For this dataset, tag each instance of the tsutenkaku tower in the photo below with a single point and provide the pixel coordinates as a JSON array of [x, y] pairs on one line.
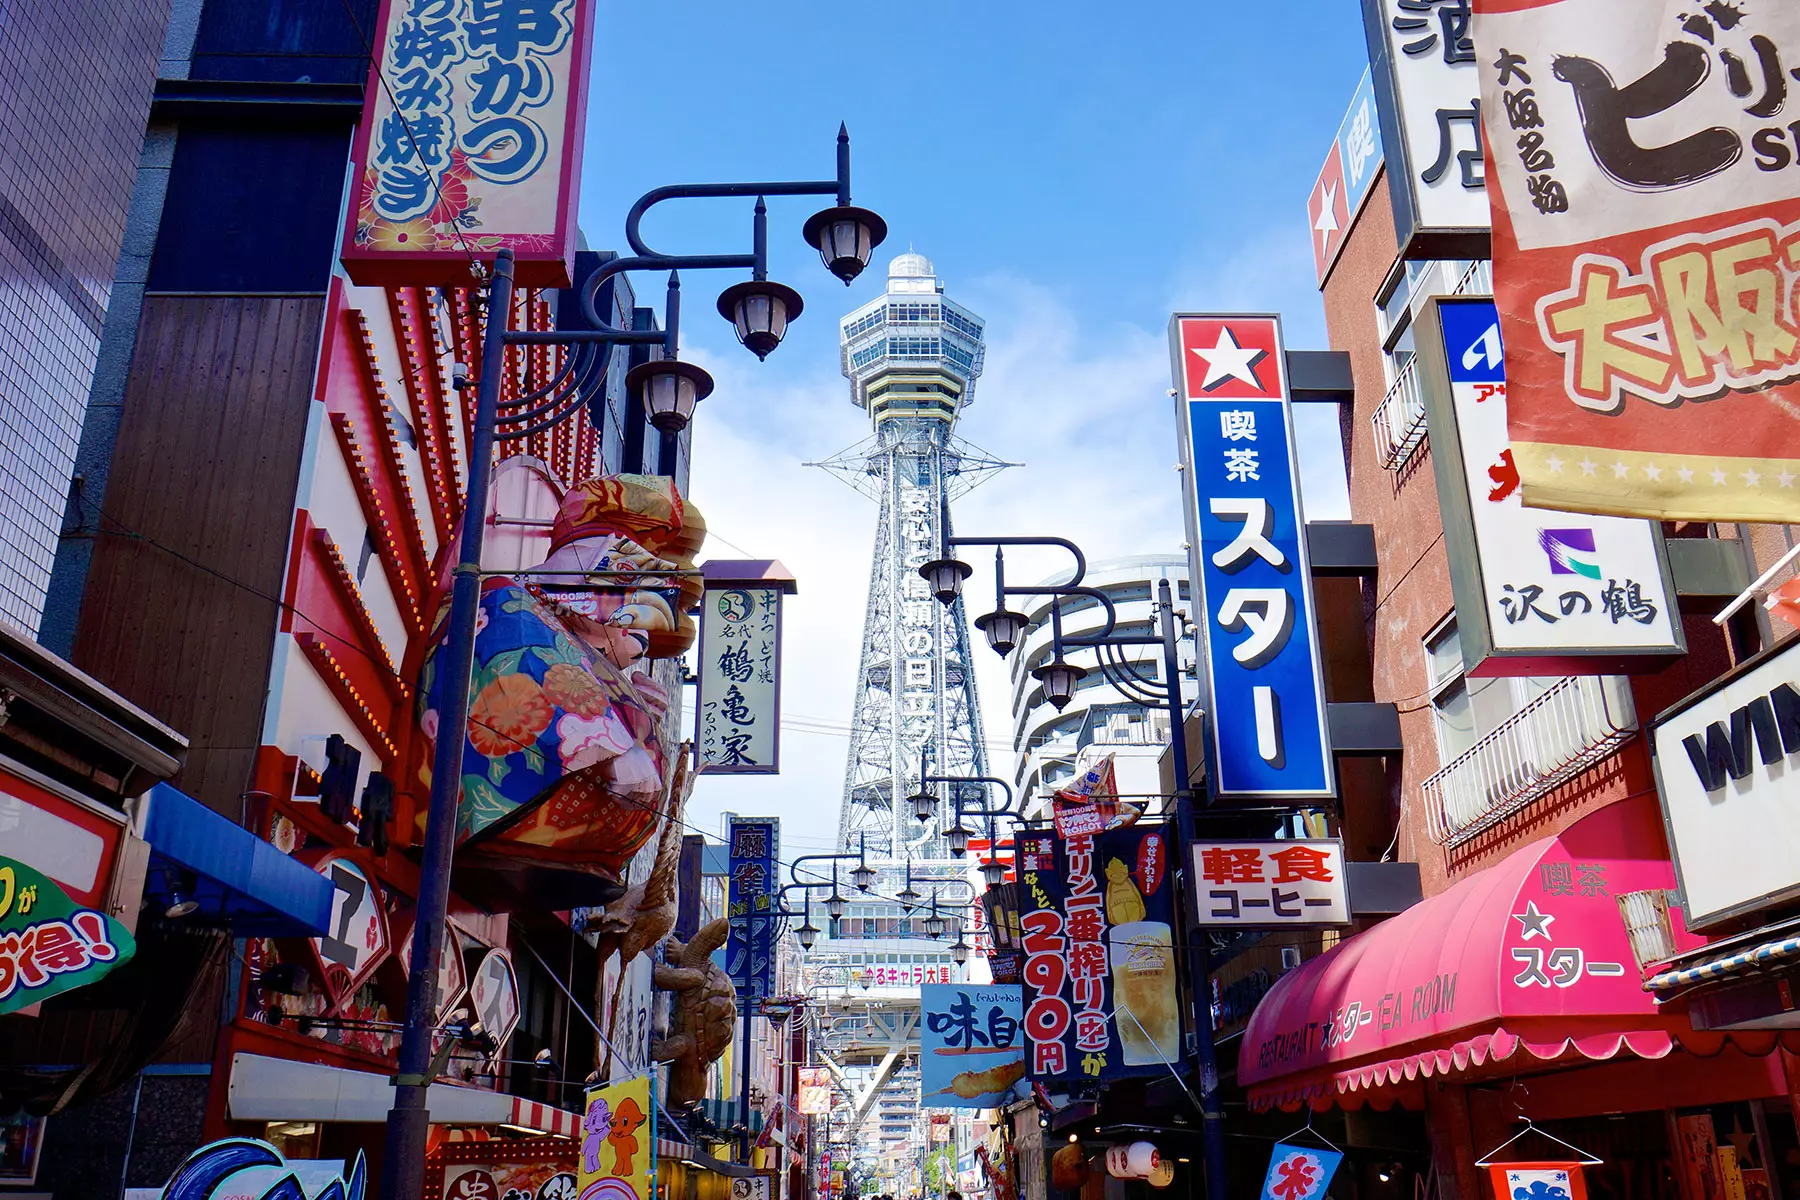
[[912, 357]]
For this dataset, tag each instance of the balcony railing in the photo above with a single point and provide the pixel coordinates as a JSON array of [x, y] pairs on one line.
[[1573, 725], [1477, 280], [1399, 420]]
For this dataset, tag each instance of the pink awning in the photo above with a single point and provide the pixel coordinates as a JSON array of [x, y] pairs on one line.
[[1525, 960]]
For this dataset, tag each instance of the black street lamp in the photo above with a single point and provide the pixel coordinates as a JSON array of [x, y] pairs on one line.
[[670, 394], [1060, 679]]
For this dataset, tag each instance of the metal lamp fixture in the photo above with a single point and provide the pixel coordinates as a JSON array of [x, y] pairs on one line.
[[808, 933], [959, 949], [946, 575], [924, 804], [845, 236], [958, 836], [863, 877], [934, 924], [760, 309], [834, 904], [1004, 629], [993, 872], [668, 389], [1060, 679]]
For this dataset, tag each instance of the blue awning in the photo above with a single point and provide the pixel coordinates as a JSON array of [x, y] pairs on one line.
[[229, 871]]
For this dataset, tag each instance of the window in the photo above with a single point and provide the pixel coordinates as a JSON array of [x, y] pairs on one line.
[[1469, 709]]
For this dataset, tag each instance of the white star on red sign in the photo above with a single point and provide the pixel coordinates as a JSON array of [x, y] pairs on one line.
[[1228, 360], [1326, 224]]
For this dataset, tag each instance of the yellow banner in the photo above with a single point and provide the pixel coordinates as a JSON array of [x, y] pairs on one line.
[[618, 1142]]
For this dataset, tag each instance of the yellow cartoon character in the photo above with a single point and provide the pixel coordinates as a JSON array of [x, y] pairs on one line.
[[1123, 903]]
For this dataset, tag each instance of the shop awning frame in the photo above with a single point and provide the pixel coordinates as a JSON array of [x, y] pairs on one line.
[[228, 870], [265, 1088], [1744, 962]]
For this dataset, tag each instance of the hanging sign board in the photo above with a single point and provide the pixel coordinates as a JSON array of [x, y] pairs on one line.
[[739, 702], [755, 849], [359, 940], [1646, 207], [1278, 884], [815, 1091], [1304, 1172], [618, 1142], [971, 1045], [1537, 592], [1538, 1181], [1345, 180], [49, 944], [1246, 533], [1422, 60], [470, 141]]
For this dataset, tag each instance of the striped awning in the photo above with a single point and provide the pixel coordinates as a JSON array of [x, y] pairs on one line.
[[1741, 963]]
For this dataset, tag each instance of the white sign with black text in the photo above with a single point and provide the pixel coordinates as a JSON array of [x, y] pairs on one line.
[[1436, 90], [1728, 771], [739, 705], [1279, 884]]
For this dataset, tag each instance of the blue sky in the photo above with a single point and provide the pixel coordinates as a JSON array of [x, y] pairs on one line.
[[1075, 172]]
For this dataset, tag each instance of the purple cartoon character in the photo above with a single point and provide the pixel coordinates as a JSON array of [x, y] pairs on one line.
[[595, 1125]]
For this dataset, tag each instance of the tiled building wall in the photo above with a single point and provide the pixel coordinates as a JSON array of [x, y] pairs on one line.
[[75, 86]]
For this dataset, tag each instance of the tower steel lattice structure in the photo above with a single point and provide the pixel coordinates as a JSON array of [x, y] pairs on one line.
[[912, 357]]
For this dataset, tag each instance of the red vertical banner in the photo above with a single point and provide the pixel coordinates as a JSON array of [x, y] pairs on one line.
[[1644, 172]]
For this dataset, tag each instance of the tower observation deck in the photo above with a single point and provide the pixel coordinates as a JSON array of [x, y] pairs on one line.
[[912, 357]]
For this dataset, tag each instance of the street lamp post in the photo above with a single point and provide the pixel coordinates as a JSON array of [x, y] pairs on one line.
[[759, 311], [1059, 678]]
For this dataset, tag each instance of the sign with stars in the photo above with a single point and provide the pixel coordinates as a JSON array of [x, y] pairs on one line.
[[1344, 181], [1537, 592], [1247, 549], [1646, 209]]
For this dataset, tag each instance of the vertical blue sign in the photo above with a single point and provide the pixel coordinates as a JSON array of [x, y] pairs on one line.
[[755, 863], [1247, 539]]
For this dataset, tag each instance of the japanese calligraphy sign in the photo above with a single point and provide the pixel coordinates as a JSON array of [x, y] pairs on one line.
[[1303, 1172], [1725, 763], [1246, 533], [1422, 60], [48, 943], [1097, 914], [755, 858], [618, 1142], [1537, 592], [1344, 181], [971, 1046], [1280, 884], [470, 141], [1646, 232], [739, 705]]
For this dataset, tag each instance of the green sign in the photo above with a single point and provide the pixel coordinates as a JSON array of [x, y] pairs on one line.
[[49, 943]]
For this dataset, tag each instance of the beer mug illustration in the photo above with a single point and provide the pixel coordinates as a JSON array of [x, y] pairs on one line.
[[1144, 992]]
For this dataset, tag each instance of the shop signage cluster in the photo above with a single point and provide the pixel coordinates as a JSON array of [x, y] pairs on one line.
[[1725, 759], [738, 709], [1345, 180], [1537, 592], [471, 141], [1098, 971], [1270, 884], [1246, 533], [1422, 58], [49, 944], [971, 1044], [1645, 217], [755, 859]]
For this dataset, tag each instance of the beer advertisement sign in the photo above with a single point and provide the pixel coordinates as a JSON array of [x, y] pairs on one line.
[[1101, 988], [1646, 195]]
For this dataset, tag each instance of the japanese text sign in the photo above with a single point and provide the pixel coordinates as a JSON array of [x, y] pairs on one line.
[[971, 1045], [1100, 986], [48, 943], [1422, 59], [739, 704], [618, 1142], [1537, 592], [1344, 181], [359, 940], [470, 141], [1646, 234], [755, 859], [1301, 1172], [1247, 539], [1270, 884]]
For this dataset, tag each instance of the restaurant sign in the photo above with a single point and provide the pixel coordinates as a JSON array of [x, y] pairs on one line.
[[1725, 761], [1097, 920], [739, 704], [49, 944], [971, 1047], [470, 141], [755, 860], [1270, 884]]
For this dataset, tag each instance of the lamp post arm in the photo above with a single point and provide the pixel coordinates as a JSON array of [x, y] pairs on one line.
[[962, 810], [701, 191], [794, 867], [1060, 543]]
